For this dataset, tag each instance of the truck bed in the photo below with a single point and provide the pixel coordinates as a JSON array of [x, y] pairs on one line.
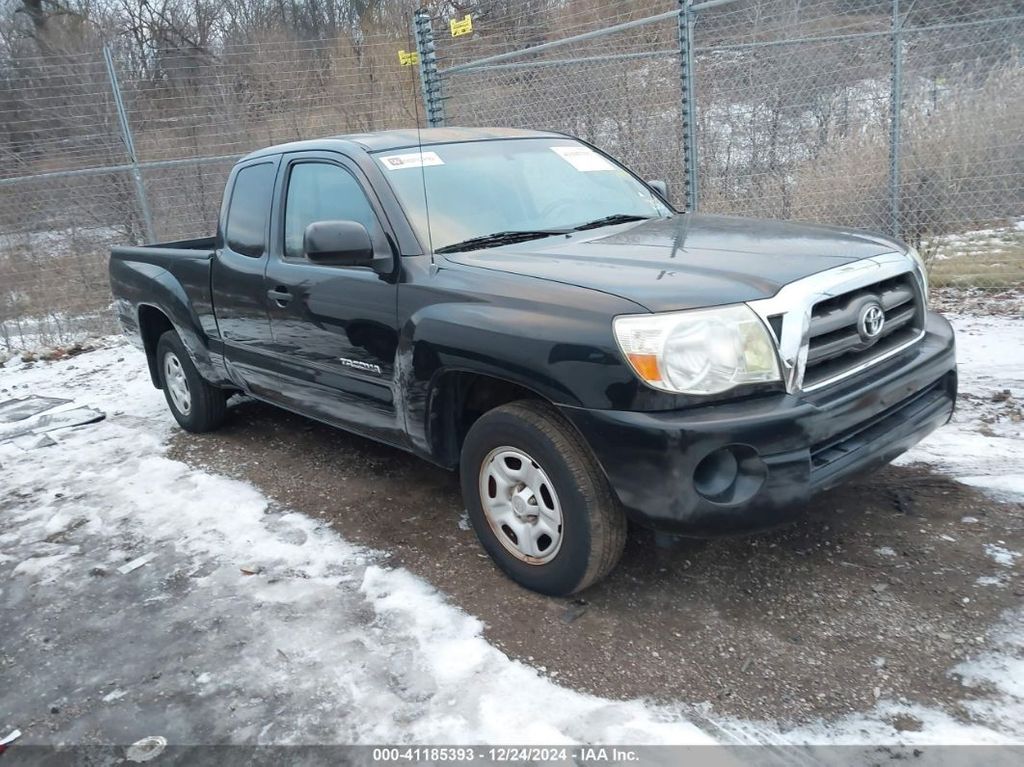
[[160, 252], [173, 277]]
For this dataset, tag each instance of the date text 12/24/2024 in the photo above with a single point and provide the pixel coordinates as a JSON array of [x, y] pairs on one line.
[[549, 754]]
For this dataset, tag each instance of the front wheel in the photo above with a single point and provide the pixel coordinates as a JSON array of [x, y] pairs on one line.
[[196, 404], [538, 501]]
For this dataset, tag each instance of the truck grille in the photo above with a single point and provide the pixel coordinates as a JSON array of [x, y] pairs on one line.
[[848, 331]]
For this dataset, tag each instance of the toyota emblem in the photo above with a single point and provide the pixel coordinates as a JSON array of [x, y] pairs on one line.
[[871, 321]]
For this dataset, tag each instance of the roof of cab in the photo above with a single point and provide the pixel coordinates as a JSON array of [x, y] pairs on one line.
[[401, 139]]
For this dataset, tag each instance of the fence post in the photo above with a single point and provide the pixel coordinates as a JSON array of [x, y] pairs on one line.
[[895, 113], [430, 80], [129, 145], [689, 104]]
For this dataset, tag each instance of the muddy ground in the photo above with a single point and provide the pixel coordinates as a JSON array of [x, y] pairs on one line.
[[875, 593]]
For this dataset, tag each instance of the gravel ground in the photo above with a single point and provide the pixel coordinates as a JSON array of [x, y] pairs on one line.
[[979, 301], [884, 586]]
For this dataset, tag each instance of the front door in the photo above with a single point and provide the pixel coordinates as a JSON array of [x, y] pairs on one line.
[[334, 327]]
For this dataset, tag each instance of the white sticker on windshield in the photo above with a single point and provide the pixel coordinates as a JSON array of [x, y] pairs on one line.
[[411, 160], [582, 158]]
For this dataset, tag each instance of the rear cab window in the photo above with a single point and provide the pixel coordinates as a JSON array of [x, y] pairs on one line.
[[248, 214]]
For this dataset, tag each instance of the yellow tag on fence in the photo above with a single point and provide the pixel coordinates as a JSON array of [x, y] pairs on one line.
[[463, 27], [407, 59]]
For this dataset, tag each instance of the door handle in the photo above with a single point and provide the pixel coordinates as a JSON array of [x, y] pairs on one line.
[[279, 295]]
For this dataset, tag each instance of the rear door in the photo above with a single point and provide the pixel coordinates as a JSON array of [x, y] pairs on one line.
[[334, 327], [238, 272]]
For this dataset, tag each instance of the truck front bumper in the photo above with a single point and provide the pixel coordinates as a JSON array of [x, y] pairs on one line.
[[753, 464]]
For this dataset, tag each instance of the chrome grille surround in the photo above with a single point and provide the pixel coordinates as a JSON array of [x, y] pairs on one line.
[[788, 314]]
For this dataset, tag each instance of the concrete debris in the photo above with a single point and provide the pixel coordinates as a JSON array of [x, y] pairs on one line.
[[146, 749]]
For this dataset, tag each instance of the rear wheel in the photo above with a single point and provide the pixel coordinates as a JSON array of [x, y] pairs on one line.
[[538, 501], [196, 405]]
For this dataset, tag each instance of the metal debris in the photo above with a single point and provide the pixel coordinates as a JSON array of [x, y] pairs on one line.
[[50, 421], [136, 563], [5, 742], [25, 407], [33, 441]]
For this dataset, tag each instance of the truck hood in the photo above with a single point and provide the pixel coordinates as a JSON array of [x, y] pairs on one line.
[[684, 262]]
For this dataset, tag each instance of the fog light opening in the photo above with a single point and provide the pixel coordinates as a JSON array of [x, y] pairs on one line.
[[730, 475], [716, 473]]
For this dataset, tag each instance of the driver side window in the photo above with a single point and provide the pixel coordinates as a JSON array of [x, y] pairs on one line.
[[320, 191]]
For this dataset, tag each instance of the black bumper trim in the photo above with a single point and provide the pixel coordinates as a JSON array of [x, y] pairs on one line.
[[931, 407]]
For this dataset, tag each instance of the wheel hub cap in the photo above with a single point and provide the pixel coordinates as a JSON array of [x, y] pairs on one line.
[[521, 506], [521, 502], [177, 384]]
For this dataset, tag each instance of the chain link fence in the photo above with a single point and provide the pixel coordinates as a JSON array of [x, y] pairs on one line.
[[98, 148], [609, 75], [905, 116], [902, 116]]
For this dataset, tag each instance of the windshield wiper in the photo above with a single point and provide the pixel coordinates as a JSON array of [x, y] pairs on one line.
[[615, 218], [511, 237], [500, 238]]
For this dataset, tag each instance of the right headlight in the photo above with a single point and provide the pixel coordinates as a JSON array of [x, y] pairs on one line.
[[701, 351]]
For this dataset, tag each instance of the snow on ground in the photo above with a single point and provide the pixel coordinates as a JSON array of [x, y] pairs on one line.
[[991, 241], [61, 241], [983, 444], [336, 648], [31, 334], [324, 645]]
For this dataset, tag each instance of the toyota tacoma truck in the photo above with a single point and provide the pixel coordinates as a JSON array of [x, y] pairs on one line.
[[520, 307]]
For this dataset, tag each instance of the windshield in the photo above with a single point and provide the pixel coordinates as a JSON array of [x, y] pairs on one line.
[[480, 188]]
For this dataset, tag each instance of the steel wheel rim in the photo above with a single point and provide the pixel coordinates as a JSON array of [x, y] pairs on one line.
[[521, 506], [177, 384]]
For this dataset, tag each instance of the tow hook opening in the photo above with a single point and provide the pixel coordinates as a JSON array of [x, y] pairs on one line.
[[730, 475]]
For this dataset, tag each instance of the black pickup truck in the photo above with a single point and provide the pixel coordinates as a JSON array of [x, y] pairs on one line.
[[519, 306]]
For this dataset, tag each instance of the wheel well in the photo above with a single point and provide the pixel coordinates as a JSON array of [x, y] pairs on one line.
[[459, 398], [153, 323]]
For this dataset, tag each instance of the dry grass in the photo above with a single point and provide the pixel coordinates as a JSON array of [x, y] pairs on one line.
[[991, 258]]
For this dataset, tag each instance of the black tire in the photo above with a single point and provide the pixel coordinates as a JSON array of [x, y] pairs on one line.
[[207, 406], [593, 531]]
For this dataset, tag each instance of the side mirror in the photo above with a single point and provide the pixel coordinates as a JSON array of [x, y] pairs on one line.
[[660, 187], [338, 243]]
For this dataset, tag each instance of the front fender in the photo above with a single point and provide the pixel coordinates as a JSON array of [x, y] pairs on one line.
[[564, 358]]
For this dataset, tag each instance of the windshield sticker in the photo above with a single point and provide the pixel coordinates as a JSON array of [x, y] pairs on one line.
[[582, 158], [411, 160]]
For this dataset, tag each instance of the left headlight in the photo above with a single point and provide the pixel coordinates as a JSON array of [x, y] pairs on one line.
[[702, 351], [920, 268]]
